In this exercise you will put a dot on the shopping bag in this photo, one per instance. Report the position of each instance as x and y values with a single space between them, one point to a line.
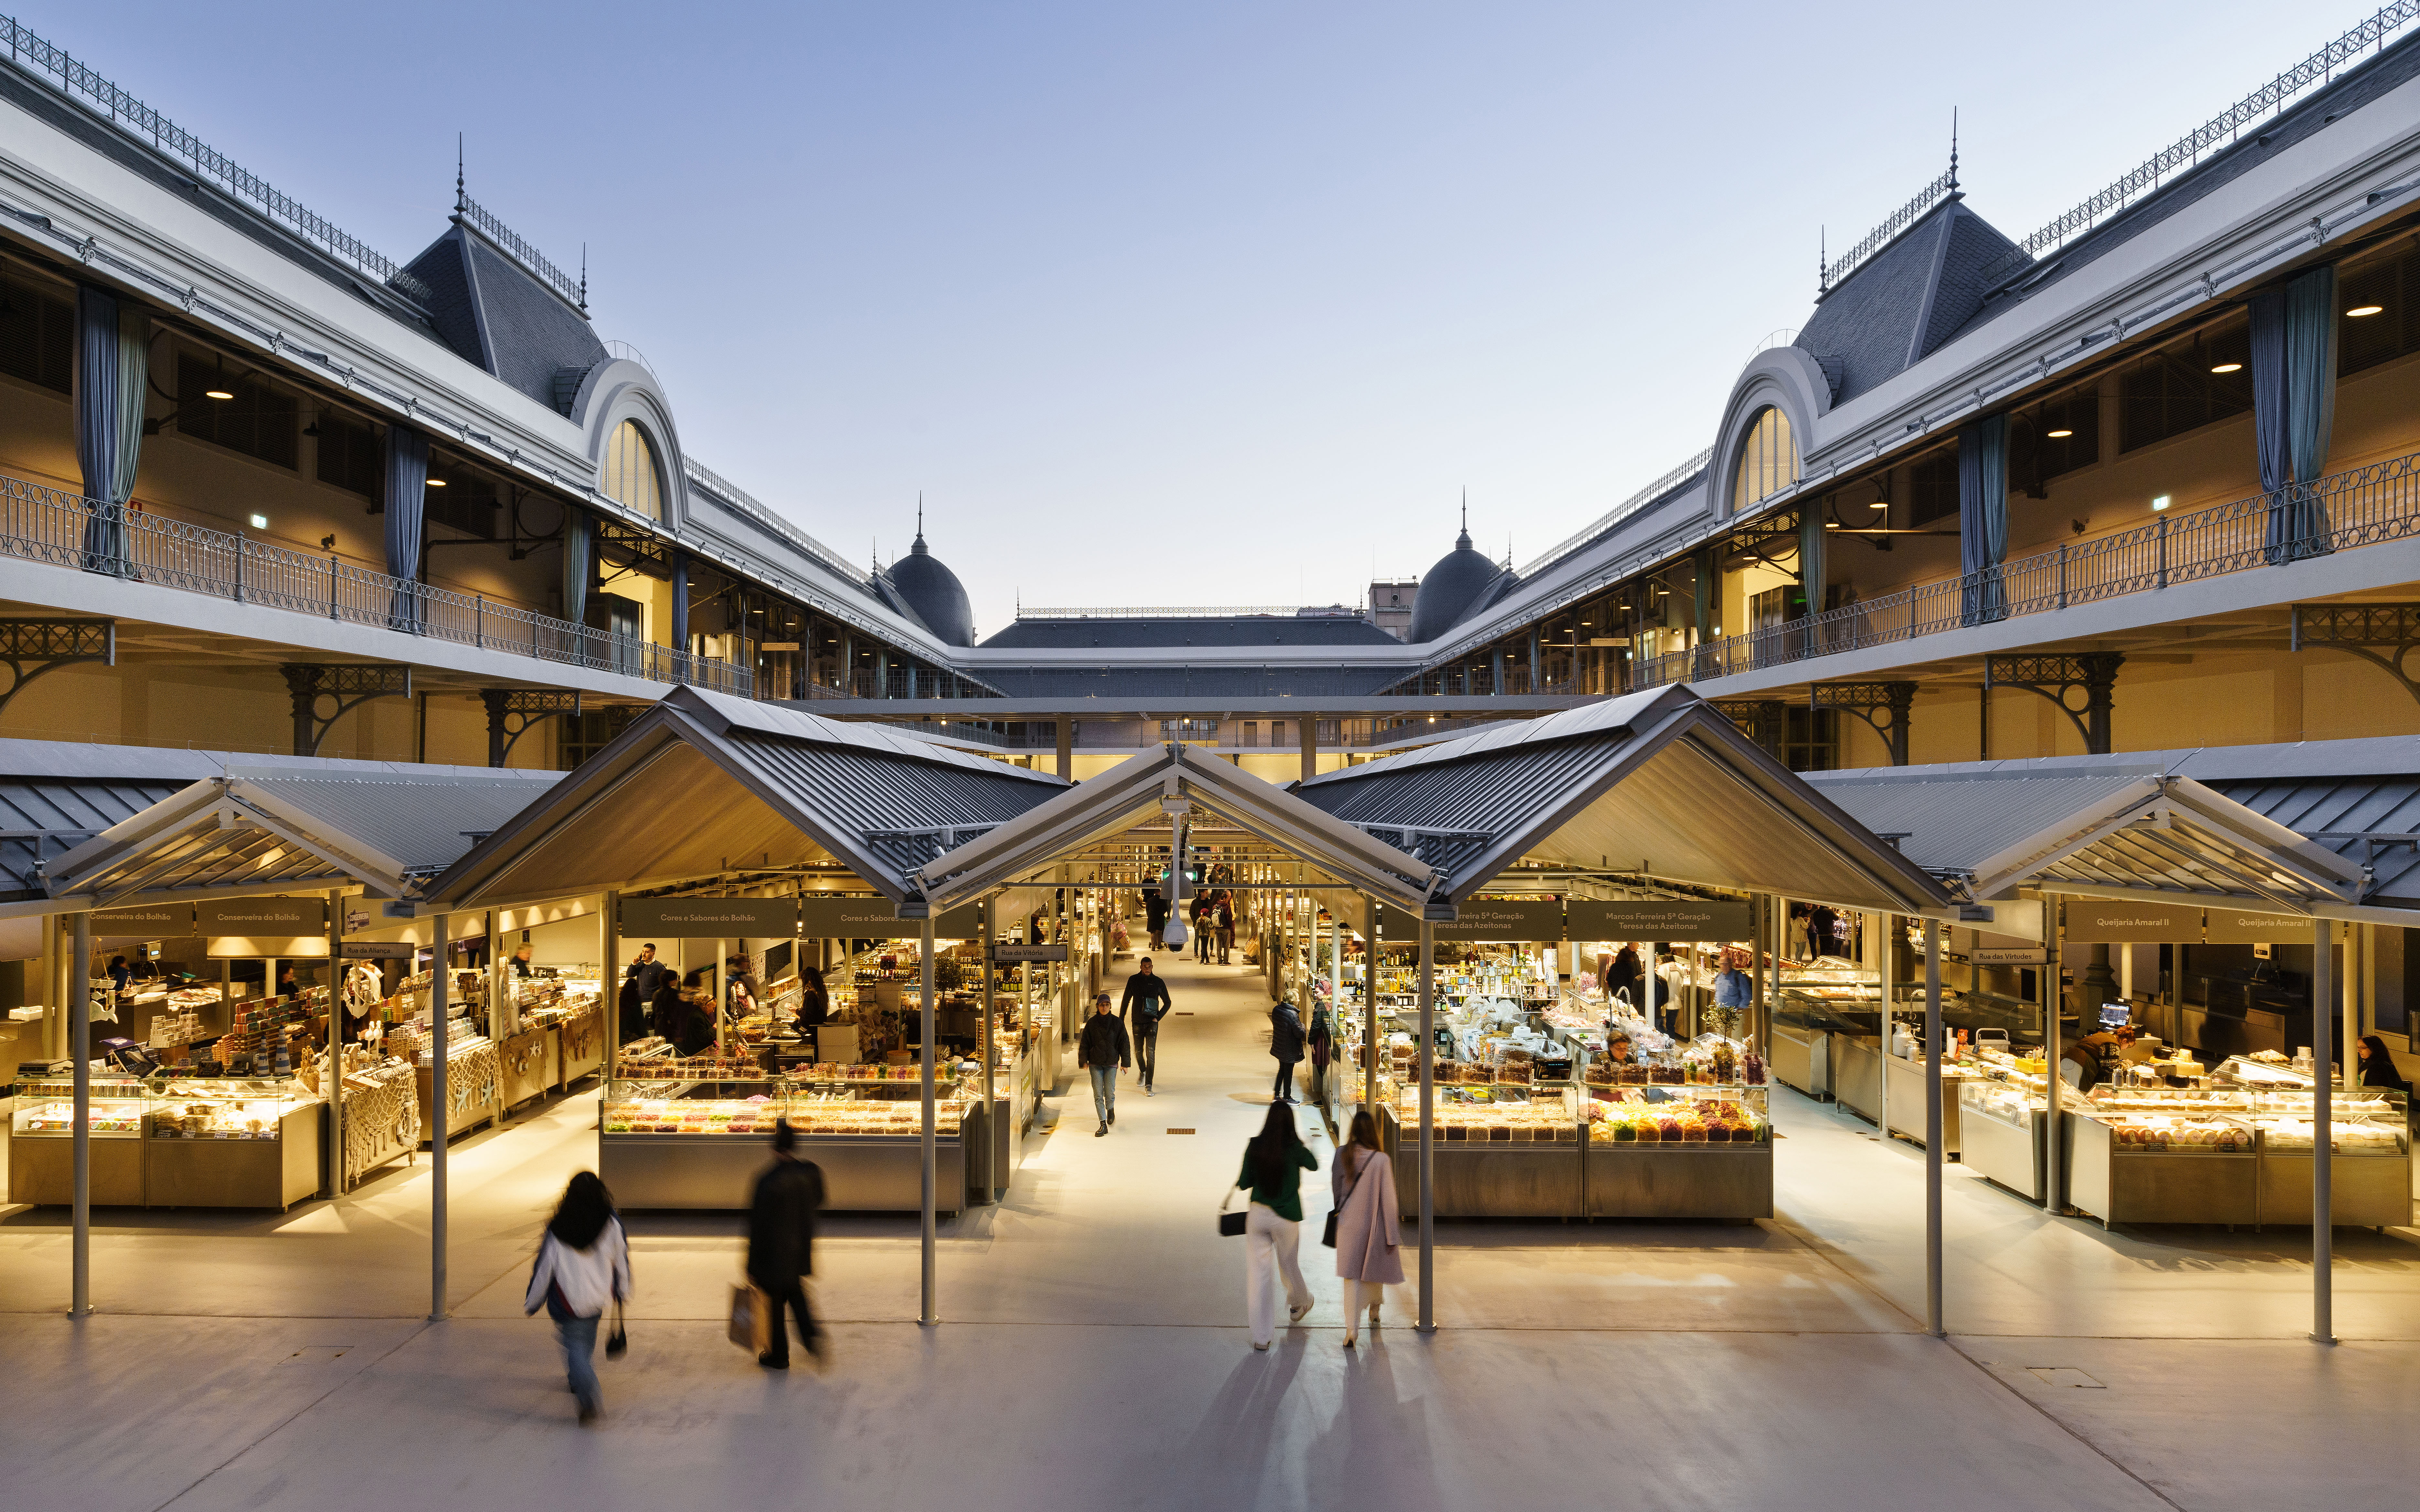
751 1316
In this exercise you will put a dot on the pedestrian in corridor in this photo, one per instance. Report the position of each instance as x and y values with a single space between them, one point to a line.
1285 1043
1146 1002
1101 1049
1369 1223
1274 1160
583 1262
781 1243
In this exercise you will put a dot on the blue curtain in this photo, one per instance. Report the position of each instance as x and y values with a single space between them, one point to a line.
2294 408
407 509
112 368
1811 569
680 605
1984 519
1703 571
577 532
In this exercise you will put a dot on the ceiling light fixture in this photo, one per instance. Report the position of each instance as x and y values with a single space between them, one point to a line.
437 482
2228 367
2358 311
2058 435
260 522
217 394
2161 502
1882 503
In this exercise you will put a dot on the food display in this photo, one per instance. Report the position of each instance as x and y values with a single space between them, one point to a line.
1677 1121
47 1108
664 1141
226 1107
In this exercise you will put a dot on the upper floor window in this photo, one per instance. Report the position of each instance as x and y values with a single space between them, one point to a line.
630 475
1768 461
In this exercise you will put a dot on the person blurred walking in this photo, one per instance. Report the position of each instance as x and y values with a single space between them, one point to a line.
583 1263
781 1243
1369 1225
1274 1160
1285 1043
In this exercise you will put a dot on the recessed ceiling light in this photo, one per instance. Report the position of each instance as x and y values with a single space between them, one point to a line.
2161 502
2228 367
437 482
1882 503
1831 524
2360 310
217 394
2058 435
260 522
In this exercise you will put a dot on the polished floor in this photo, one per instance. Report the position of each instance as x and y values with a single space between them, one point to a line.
1092 1350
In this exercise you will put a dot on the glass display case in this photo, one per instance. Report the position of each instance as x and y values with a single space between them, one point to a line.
231 1142
2003 1113
42 1141
672 1140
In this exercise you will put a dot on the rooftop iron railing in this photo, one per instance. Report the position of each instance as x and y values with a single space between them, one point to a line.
732 495
2361 508
65 529
82 84
574 290
1830 273
1621 510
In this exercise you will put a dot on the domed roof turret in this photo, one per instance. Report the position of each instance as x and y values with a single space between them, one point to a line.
1455 586
932 592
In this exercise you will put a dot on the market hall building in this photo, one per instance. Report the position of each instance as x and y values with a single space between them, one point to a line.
2049 596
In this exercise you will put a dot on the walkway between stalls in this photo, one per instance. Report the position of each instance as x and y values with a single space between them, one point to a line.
1092 1350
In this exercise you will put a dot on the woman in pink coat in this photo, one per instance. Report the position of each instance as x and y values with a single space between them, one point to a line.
1369 1225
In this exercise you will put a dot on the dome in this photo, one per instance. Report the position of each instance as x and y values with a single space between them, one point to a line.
933 593
1450 590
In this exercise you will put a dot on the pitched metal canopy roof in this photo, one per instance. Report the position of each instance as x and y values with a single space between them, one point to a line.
256 829
701 781
1659 782
1139 789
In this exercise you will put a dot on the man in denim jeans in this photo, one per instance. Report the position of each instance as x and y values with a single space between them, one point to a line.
1101 1049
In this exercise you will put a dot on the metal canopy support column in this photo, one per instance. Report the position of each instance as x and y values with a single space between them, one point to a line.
2054 992
80 1052
1370 1046
331 1082
924 1055
608 950
1427 1128
1066 748
1309 729
991 1089
1932 1323
2323 987
439 979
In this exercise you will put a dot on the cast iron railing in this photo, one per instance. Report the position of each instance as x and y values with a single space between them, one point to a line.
66 530
2362 507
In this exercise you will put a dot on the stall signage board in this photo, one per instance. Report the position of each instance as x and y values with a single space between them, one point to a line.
708 919
1516 920
877 918
2009 955
261 915
2228 926
377 950
1010 954
264 946
1661 918
160 920
2101 921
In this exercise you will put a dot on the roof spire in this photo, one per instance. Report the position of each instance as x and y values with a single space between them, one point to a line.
1823 264
919 549
1953 150
461 201
1462 542
584 278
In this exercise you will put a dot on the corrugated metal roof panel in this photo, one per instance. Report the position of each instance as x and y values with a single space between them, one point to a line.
1956 823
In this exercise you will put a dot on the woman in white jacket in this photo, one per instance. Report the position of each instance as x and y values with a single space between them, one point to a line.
583 1263
1369 1225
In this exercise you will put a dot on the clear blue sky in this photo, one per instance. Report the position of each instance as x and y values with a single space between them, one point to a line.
1186 304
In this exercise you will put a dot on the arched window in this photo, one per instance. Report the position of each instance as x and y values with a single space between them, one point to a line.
630 471
1768 461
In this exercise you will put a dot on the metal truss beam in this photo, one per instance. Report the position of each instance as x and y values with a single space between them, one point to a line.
2059 678
1883 707
2384 635
348 684
514 712
30 648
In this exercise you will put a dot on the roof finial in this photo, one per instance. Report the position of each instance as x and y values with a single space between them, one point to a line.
1462 542
1823 264
461 201
1953 150
584 278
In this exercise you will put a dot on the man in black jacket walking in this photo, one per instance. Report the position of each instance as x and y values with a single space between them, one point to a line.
1285 1042
781 1239
1102 1049
1145 1004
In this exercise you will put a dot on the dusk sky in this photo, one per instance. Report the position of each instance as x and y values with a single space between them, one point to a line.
1208 305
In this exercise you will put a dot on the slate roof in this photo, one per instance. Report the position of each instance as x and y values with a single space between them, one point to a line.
496 314
1906 299
1195 630
1462 581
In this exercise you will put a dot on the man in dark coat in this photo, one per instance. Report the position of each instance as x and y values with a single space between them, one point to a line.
781 1240
648 973
1145 1004
1285 1043
1101 1049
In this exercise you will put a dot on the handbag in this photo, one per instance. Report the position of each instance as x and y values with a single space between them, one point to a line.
617 1343
1327 1231
1230 1224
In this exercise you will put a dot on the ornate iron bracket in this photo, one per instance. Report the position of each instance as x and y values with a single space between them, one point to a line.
30 648
349 684
2057 678
527 704
1766 721
2384 635
1890 702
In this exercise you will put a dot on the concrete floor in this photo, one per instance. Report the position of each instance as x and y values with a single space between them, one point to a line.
1092 1351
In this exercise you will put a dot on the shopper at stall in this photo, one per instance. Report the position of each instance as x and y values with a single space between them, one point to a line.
1154 908
1274 1160
1822 927
634 1009
2083 1063
120 973
1285 1043
1320 1041
1102 1049
2378 1065
677 1018
1203 930
814 999
583 1262
1369 1223
1734 990
1146 1002
781 1243
1625 978
522 961
1226 928
648 972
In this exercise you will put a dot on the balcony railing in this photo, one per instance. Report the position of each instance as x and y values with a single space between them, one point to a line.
65 529
2363 507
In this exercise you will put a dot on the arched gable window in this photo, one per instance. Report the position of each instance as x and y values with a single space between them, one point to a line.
1768 461
630 476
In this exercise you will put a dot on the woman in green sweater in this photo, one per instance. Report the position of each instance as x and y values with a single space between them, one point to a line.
1274 1162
